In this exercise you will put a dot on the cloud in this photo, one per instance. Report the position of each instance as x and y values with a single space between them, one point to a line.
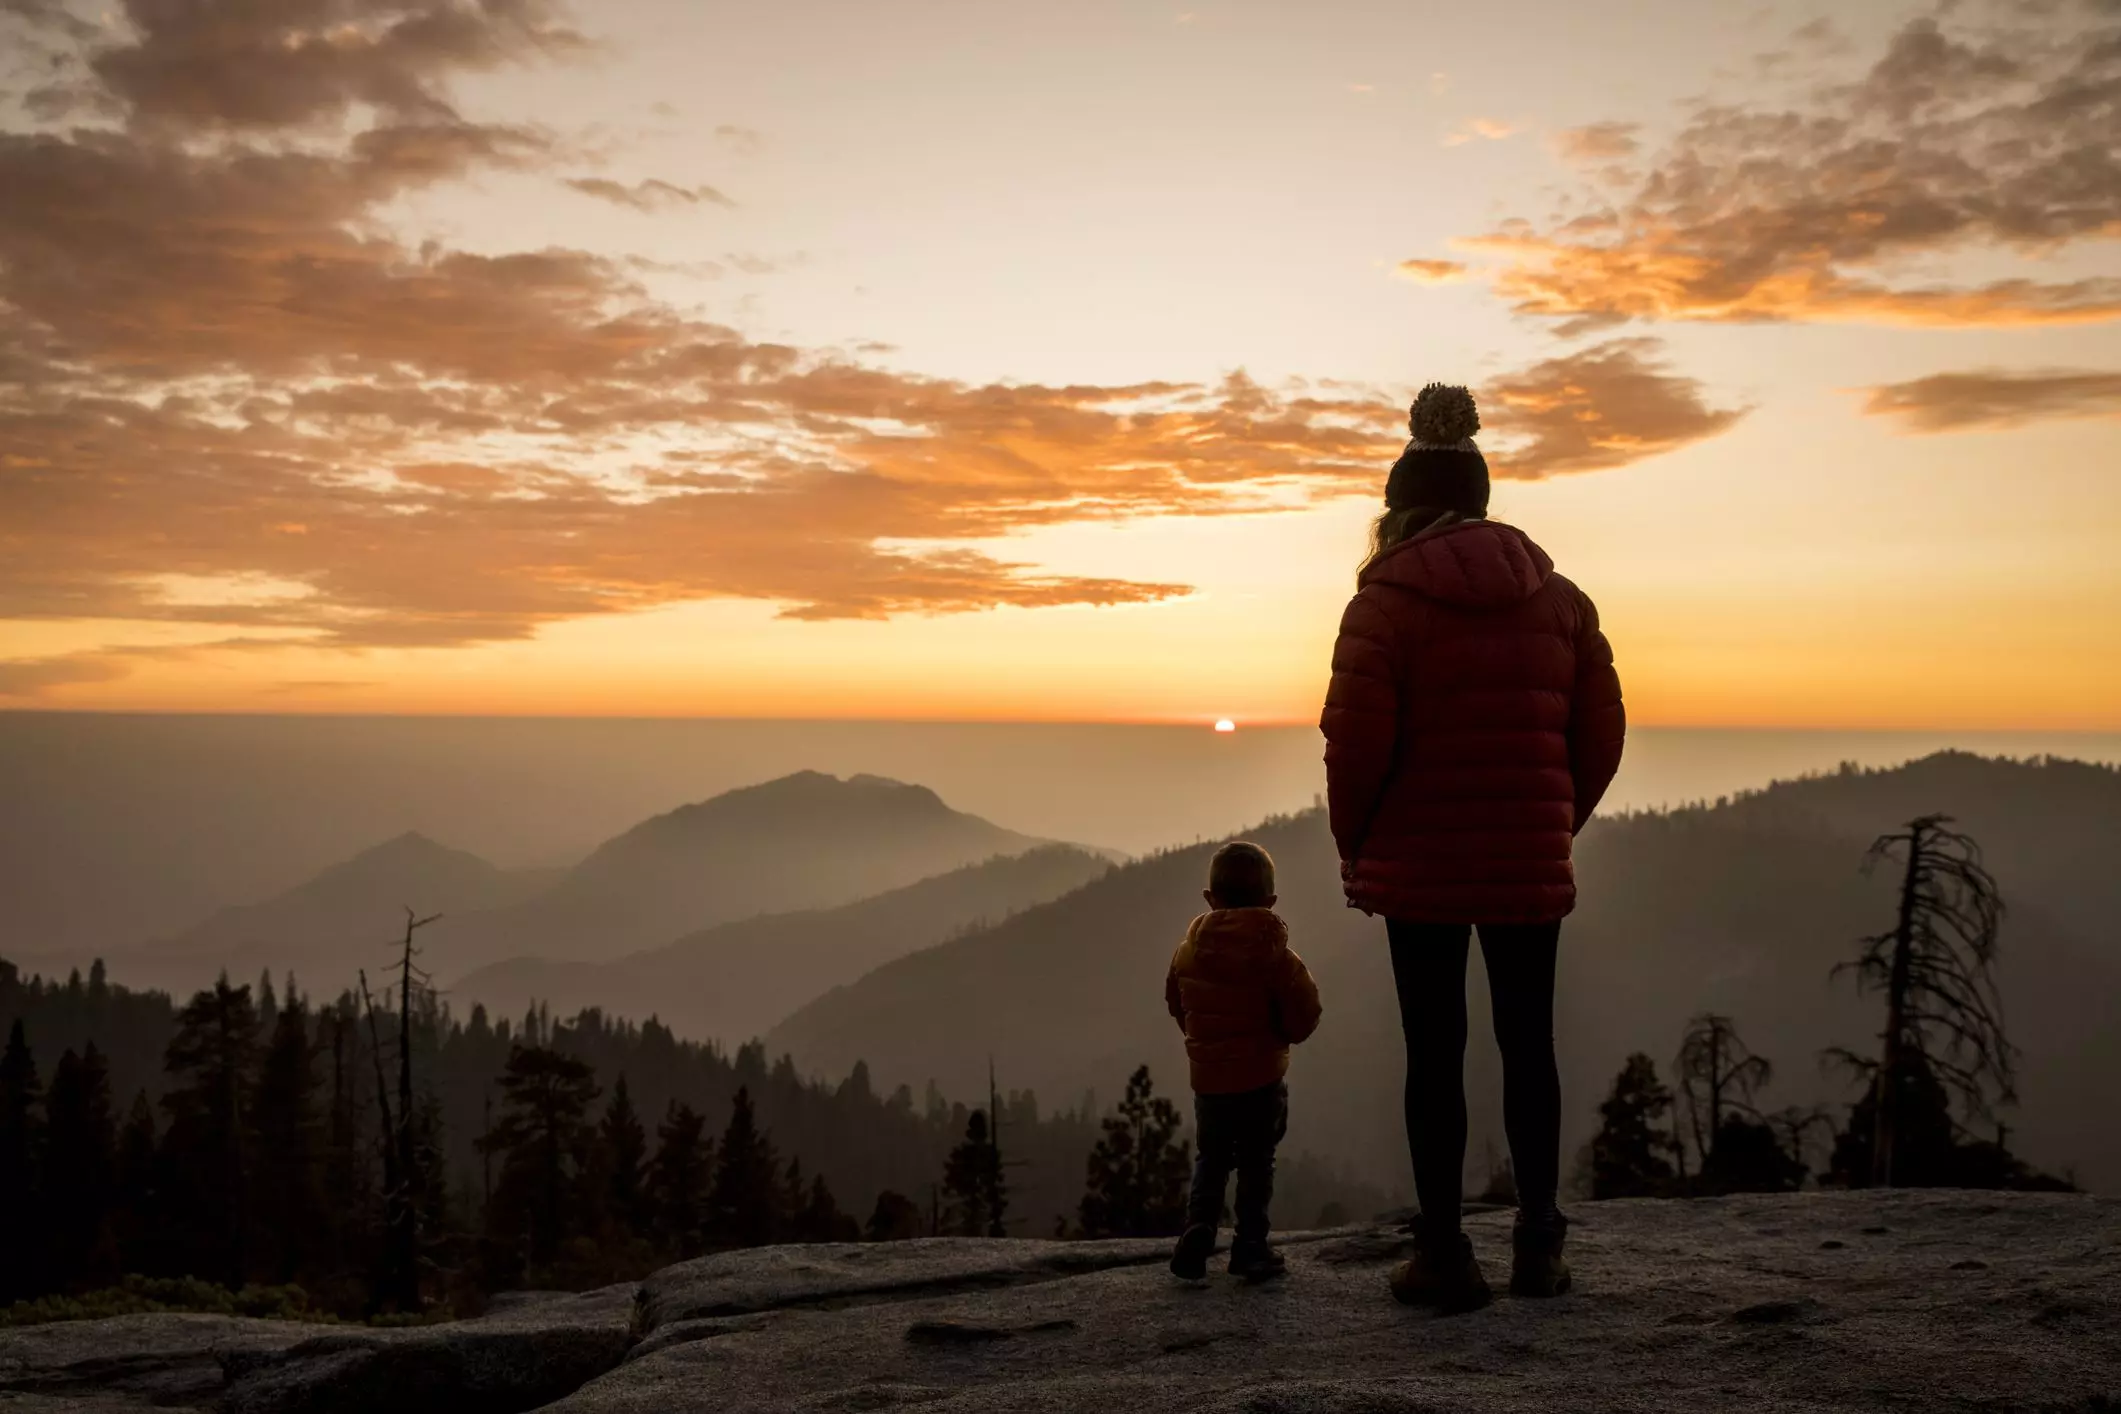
749 142
229 396
297 62
1854 205
1598 142
1994 398
651 195
1597 408
33 677
1488 129
1431 272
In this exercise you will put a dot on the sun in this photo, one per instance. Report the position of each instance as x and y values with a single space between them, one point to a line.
1226 725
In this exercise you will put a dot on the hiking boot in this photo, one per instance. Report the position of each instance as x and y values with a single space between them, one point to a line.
1444 1274
1255 1262
1536 1267
1189 1260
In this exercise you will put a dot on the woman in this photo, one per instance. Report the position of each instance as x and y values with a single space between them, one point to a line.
1473 722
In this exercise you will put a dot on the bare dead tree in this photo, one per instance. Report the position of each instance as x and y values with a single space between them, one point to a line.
403 1184
1717 1073
1943 1013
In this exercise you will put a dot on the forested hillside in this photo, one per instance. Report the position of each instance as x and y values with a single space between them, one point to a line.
1740 907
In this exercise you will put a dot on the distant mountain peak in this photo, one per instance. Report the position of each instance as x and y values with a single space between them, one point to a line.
800 791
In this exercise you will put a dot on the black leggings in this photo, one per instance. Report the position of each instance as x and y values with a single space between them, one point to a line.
1429 970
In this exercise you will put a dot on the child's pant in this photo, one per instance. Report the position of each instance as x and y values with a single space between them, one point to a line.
1237 1132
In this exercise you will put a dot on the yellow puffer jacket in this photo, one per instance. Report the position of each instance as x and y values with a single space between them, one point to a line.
1242 996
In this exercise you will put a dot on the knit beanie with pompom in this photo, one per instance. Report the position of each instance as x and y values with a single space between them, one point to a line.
1441 468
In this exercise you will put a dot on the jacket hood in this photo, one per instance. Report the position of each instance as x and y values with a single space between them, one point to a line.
1479 564
1240 928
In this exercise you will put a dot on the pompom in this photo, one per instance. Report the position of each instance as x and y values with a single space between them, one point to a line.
1443 416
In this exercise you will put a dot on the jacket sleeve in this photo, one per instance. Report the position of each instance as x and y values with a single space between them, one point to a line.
1296 1005
1598 720
1174 1002
1360 722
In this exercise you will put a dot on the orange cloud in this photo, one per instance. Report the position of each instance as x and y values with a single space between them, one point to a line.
1598 142
1489 129
2002 142
218 370
1432 272
1994 398
1600 407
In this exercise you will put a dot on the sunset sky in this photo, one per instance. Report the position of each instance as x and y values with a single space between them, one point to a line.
944 359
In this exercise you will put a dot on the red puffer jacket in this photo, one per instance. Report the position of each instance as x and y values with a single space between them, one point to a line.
1473 722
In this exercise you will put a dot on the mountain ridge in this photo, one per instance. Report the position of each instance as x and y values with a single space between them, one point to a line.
734 981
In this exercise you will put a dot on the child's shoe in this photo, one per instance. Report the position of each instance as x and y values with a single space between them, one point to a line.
1444 1274
1537 1269
1189 1261
1255 1262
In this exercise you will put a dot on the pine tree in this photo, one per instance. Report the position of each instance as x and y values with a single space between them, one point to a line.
348 1167
288 1139
794 1199
822 1220
540 1137
972 1182
80 1173
1627 1156
1137 1175
678 1179
135 1206
21 1230
625 1152
211 1062
743 1204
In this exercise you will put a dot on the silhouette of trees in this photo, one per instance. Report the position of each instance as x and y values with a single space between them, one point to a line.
895 1218
289 1200
1628 1153
20 1230
136 1195
678 1179
212 1062
80 1173
624 1143
405 1179
744 1203
818 1218
1138 1171
1943 1037
237 1118
1748 1157
1717 1075
973 1185
542 1139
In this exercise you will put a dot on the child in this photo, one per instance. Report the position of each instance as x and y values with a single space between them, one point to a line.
1243 998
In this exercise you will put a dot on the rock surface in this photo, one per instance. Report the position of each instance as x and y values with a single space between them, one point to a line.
1958 1301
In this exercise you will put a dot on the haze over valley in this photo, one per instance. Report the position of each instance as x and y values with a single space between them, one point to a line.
872 921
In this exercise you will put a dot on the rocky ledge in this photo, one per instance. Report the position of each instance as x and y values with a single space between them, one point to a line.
1954 1301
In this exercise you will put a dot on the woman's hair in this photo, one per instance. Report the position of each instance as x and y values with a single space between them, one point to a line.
1396 527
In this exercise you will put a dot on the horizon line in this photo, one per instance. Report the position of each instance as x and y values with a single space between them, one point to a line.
1204 723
